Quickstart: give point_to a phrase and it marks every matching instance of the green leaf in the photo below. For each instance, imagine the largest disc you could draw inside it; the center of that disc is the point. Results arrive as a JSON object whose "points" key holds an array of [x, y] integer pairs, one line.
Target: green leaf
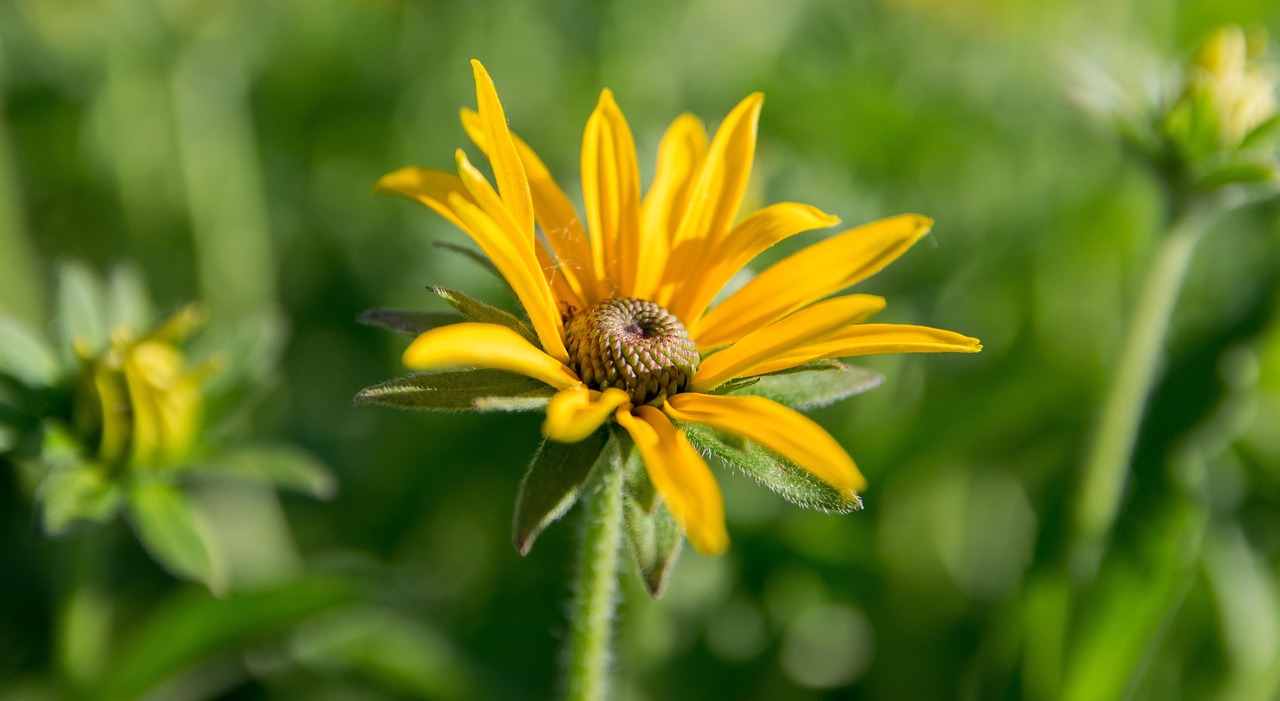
{"points": [[129, 305], [169, 527], [552, 484], [283, 466], [74, 491], [475, 310], [818, 386], [654, 538], [192, 627], [792, 482], [1261, 133], [1239, 173], [25, 355], [461, 390], [81, 317], [408, 323]]}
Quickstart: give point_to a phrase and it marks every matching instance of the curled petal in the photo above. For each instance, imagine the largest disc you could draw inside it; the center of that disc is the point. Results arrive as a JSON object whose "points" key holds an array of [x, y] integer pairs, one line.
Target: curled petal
{"points": [[818, 271], [784, 431], [680, 476], [472, 345], [576, 412], [763, 346], [428, 186]]}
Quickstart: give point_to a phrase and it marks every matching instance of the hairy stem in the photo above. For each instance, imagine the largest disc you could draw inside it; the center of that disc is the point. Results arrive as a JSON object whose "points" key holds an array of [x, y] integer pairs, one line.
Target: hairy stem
{"points": [[595, 595]]}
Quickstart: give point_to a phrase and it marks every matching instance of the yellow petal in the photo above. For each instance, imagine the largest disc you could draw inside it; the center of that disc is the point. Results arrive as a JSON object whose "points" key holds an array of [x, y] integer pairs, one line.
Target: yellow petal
{"points": [[818, 271], [784, 431], [762, 346], [745, 241], [516, 266], [430, 187], [714, 203], [611, 192], [680, 477], [474, 345], [575, 413], [680, 156], [554, 211], [875, 339], [507, 169]]}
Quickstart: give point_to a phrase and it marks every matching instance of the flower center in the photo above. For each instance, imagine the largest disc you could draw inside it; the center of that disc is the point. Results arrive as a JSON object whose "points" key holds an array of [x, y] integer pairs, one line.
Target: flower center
{"points": [[634, 345]]}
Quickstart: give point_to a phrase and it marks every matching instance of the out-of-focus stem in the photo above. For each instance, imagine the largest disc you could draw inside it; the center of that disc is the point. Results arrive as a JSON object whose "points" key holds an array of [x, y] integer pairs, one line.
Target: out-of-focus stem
{"points": [[595, 595], [1107, 464]]}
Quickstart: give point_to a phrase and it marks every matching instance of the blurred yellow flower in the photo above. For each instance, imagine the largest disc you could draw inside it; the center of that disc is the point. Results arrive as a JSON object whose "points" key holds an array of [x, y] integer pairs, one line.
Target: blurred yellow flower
{"points": [[622, 307], [1240, 89]]}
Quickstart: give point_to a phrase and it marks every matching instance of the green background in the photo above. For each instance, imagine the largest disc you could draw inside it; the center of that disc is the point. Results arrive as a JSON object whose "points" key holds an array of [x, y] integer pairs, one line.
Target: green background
{"points": [[229, 149]]}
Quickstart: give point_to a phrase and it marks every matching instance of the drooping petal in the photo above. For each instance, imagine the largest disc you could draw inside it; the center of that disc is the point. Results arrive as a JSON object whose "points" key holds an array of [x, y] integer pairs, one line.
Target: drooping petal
{"points": [[554, 212], [745, 241], [722, 180], [473, 345], [818, 271], [507, 169], [575, 413], [611, 192], [764, 345], [874, 339], [784, 431], [680, 156], [680, 476], [425, 185]]}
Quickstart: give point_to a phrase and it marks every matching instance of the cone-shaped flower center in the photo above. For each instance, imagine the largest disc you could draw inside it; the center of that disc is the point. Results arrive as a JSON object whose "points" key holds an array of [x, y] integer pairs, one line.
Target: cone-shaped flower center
{"points": [[634, 345]]}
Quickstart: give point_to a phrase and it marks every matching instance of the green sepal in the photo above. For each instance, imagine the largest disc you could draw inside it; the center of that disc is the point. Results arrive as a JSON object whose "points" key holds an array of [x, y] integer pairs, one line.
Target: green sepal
{"points": [[74, 491], [282, 466], [653, 535], [128, 304], [459, 390], [167, 525], [813, 385], [787, 479], [475, 310], [1261, 133], [555, 478], [81, 318], [1243, 173], [26, 356], [408, 323]]}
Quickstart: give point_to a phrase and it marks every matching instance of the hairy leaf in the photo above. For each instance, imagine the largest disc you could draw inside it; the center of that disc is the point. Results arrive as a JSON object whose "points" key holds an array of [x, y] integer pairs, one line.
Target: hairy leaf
{"points": [[819, 386], [459, 390], [475, 310], [552, 484], [408, 323], [654, 539], [792, 482]]}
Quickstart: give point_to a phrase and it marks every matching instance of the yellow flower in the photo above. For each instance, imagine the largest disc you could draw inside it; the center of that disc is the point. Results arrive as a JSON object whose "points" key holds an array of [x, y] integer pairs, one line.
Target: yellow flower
{"points": [[1240, 90], [622, 307]]}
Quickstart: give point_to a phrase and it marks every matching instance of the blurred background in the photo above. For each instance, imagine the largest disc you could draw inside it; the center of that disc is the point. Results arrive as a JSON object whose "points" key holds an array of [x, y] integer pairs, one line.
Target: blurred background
{"points": [[228, 149]]}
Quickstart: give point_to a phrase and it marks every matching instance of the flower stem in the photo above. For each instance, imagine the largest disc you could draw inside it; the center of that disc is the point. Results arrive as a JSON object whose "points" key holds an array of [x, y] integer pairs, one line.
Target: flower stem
{"points": [[1109, 456], [595, 595]]}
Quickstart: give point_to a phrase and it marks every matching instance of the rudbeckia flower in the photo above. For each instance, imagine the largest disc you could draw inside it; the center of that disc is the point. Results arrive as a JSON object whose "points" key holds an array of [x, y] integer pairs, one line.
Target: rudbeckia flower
{"points": [[622, 321]]}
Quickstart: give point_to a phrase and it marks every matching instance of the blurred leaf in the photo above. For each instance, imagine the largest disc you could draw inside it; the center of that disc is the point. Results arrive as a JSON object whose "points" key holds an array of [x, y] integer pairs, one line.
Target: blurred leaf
{"points": [[25, 355], [815, 387], [552, 484], [475, 310], [408, 323], [789, 480], [192, 627], [81, 317], [1261, 133], [461, 390], [1239, 173], [245, 356], [283, 466], [654, 538], [128, 303], [168, 526], [393, 650], [74, 490]]}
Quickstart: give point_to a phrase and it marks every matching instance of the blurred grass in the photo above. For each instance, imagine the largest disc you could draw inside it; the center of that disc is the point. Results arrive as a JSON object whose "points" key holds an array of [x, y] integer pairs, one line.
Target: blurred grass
{"points": [[229, 150]]}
